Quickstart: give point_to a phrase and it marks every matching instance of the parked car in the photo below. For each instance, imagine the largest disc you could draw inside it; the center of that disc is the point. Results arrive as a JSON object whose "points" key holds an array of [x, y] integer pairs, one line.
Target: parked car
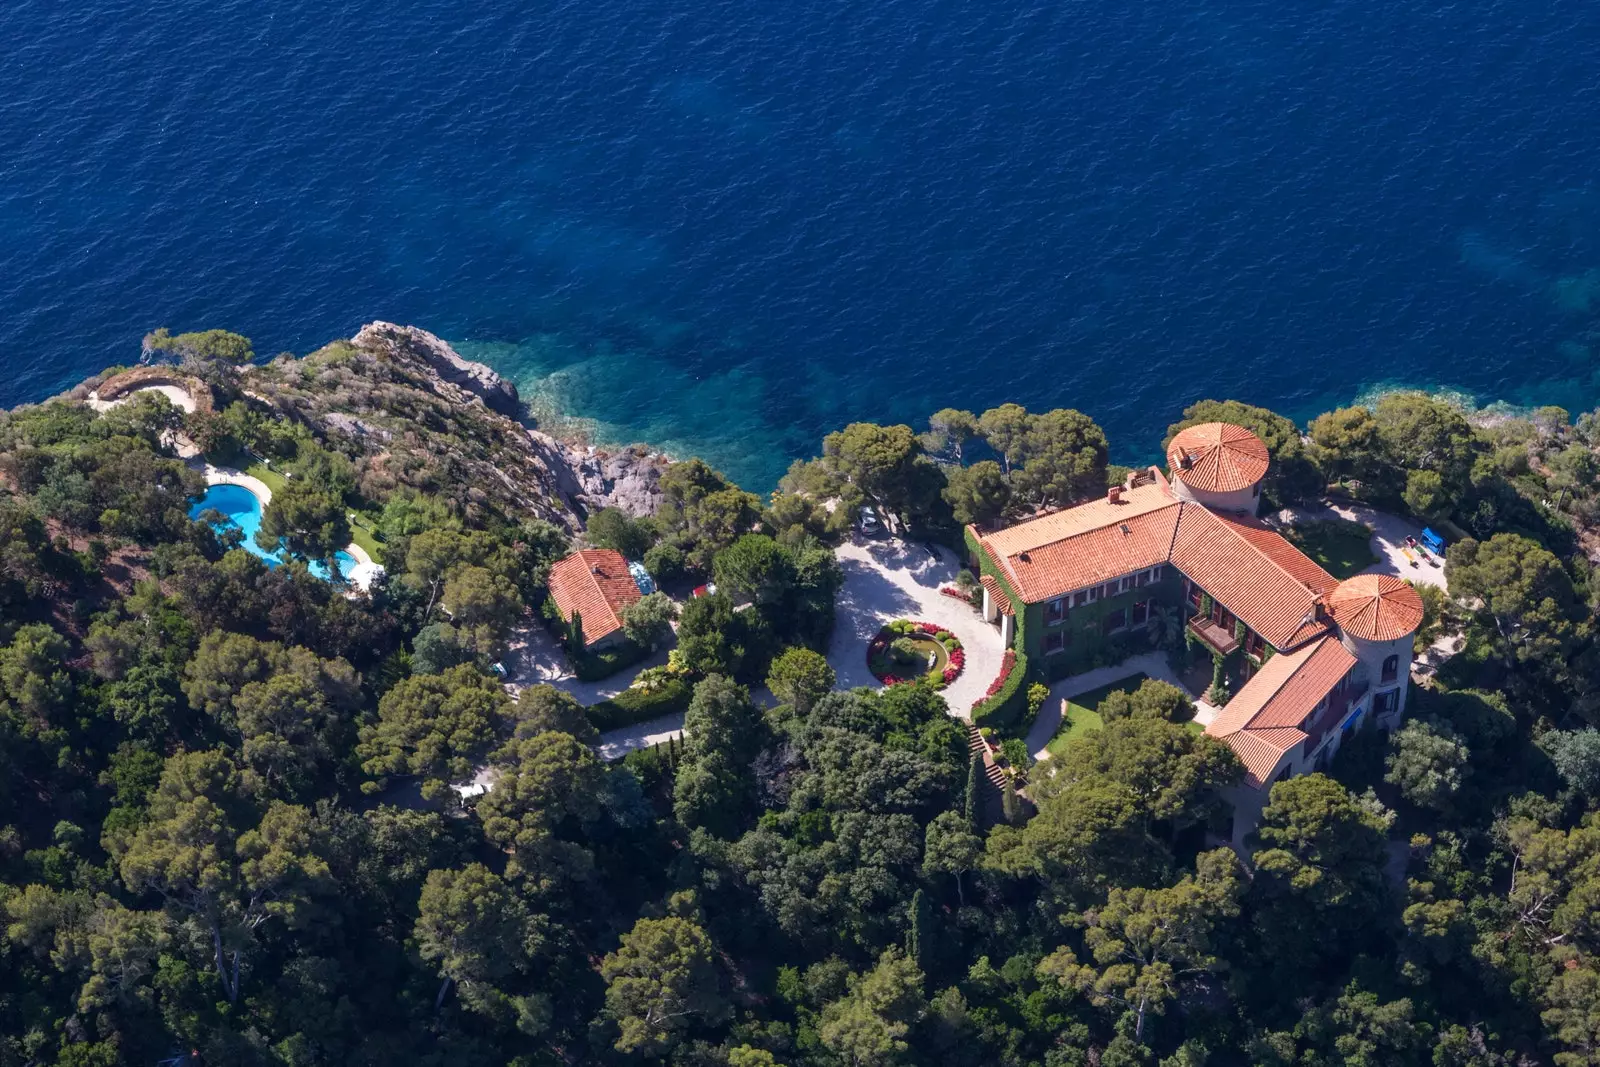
{"points": [[869, 522]]}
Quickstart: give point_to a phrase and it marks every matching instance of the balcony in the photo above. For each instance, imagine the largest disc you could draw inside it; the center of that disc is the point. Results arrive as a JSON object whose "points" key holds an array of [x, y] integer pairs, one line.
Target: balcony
{"points": [[1218, 639]]}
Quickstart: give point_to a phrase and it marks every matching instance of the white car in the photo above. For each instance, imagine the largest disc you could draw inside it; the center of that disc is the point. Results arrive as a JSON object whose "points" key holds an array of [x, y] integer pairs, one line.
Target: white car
{"points": [[869, 522]]}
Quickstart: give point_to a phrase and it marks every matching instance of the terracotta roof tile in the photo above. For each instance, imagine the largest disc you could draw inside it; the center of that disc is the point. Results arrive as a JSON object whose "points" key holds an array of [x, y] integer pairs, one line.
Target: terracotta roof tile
{"points": [[594, 582], [997, 594], [1260, 751], [1218, 457], [1253, 572], [1375, 607], [1086, 545], [1287, 688], [1270, 709], [1281, 551]]}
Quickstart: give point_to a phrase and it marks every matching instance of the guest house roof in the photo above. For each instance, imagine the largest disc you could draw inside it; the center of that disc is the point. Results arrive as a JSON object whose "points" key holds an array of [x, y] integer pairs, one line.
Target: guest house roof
{"points": [[595, 583]]}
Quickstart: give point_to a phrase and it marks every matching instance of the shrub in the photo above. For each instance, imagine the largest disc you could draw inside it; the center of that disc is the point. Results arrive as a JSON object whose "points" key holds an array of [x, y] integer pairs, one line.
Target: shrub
{"points": [[641, 704], [594, 664], [1006, 702], [1016, 753]]}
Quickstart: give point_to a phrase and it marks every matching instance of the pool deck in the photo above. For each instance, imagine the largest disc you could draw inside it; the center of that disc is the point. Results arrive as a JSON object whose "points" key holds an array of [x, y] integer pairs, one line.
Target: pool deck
{"points": [[360, 576], [229, 476]]}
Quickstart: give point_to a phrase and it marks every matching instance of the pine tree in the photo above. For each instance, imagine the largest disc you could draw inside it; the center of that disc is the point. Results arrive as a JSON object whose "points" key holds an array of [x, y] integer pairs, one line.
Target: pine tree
{"points": [[575, 634], [974, 783]]}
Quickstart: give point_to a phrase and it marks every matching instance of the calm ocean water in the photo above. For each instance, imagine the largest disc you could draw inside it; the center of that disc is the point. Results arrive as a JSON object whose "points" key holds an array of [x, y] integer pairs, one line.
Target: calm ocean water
{"points": [[727, 227]]}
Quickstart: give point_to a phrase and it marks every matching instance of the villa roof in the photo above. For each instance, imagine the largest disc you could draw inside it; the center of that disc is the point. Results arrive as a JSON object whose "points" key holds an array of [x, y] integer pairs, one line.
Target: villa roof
{"points": [[1269, 712], [1087, 544], [998, 595], [1251, 569], [1260, 751], [1375, 607], [1218, 457], [1256, 574], [595, 583]]}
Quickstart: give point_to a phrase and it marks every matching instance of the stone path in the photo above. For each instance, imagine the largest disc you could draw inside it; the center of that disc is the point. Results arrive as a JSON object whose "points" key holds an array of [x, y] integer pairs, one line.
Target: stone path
{"points": [[614, 744], [1050, 717], [889, 579], [1388, 542], [176, 393]]}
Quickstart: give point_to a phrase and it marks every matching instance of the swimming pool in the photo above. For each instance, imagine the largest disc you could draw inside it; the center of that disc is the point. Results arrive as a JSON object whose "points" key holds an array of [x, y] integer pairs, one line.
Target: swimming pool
{"points": [[241, 509]]}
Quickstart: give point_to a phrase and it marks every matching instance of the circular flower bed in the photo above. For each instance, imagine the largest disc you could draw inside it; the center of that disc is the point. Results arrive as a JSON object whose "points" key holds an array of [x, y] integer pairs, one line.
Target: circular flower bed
{"points": [[906, 651]]}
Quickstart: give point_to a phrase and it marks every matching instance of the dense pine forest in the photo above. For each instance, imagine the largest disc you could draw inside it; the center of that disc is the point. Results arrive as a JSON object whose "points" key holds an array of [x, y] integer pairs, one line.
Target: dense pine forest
{"points": [[228, 833]]}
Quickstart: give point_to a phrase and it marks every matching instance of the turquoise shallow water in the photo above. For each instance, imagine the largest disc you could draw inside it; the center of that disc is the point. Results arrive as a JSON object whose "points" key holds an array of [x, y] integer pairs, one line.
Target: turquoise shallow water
{"points": [[242, 509], [728, 227]]}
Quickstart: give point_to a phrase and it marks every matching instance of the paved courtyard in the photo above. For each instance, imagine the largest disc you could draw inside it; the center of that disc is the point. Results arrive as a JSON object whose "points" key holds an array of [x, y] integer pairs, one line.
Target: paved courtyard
{"points": [[1388, 541], [890, 579]]}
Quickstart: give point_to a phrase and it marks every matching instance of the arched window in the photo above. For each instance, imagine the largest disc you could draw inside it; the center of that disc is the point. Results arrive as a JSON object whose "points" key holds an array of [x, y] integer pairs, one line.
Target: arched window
{"points": [[1391, 668]]}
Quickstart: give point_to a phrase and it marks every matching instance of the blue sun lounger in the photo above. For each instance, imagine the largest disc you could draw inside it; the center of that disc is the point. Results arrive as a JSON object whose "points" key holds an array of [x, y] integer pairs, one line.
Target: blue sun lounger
{"points": [[1432, 541]]}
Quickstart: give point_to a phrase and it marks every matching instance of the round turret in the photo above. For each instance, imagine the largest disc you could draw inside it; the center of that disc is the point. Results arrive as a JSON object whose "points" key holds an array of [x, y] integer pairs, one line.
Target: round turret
{"points": [[1219, 465], [1378, 616]]}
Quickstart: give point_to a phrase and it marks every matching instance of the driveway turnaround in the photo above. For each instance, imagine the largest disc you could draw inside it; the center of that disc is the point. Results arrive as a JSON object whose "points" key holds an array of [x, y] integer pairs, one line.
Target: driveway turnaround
{"points": [[889, 579]]}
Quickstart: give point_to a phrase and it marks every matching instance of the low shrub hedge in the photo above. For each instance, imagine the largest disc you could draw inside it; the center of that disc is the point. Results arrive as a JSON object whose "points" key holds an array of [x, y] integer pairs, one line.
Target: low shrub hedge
{"points": [[1007, 703], [592, 666], [641, 705]]}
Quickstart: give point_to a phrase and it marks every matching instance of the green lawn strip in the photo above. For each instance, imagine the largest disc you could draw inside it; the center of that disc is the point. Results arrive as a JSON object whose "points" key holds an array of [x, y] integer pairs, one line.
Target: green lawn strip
{"points": [[272, 478], [1082, 712], [1340, 547], [362, 534]]}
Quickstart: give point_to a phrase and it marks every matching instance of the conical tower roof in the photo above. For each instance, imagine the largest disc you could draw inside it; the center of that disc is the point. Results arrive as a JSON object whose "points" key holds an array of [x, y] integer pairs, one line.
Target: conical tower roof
{"points": [[1217, 457]]}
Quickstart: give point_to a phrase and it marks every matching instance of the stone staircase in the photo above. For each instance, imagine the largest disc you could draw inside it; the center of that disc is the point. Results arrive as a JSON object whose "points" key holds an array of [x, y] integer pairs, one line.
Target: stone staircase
{"points": [[990, 806]]}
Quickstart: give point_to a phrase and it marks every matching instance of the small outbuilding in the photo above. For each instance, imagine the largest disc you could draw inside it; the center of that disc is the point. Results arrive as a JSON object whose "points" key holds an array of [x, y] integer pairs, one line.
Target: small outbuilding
{"points": [[596, 584]]}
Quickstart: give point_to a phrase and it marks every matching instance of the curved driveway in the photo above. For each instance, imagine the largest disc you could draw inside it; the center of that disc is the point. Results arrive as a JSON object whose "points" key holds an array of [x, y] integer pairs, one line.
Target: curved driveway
{"points": [[890, 579]]}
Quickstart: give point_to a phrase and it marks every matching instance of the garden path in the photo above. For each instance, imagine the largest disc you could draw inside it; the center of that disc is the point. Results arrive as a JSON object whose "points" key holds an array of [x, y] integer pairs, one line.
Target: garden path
{"points": [[1045, 726], [887, 579]]}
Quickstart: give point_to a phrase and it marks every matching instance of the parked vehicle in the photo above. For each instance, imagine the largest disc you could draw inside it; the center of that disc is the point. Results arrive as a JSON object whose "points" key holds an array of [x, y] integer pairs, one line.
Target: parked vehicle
{"points": [[869, 522]]}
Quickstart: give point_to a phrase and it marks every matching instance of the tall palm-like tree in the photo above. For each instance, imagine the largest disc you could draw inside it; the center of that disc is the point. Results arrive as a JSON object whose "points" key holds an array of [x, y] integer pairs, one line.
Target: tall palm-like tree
{"points": [[1165, 626]]}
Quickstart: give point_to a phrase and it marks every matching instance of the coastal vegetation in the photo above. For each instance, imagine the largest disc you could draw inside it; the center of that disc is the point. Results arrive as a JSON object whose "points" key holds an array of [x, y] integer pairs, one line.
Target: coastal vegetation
{"points": [[241, 811]]}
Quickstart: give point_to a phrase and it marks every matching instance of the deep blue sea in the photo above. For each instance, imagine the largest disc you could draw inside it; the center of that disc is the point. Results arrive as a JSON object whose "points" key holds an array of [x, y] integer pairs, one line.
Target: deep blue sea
{"points": [[728, 227]]}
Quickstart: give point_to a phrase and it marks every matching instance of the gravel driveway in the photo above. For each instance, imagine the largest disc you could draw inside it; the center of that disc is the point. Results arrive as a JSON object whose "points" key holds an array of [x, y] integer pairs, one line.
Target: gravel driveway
{"points": [[890, 579]]}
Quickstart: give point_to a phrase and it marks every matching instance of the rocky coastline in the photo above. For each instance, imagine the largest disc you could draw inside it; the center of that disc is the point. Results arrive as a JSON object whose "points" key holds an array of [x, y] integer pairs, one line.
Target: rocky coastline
{"points": [[589, 477]]}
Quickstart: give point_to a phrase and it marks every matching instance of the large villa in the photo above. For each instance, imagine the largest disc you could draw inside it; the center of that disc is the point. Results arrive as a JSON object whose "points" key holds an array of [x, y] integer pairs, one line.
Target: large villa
{"points": [[1317, 654]]}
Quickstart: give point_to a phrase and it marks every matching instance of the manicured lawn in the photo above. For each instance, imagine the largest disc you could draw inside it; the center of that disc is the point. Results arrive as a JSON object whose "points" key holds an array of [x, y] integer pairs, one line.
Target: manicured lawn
{"points": [[272, 478], [1082, 712], [361, 532], [1341, 548]]}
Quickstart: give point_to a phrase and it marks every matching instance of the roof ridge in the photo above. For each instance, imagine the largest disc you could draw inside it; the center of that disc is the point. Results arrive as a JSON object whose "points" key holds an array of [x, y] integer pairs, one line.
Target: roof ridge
{"points": [[1229, 523]]}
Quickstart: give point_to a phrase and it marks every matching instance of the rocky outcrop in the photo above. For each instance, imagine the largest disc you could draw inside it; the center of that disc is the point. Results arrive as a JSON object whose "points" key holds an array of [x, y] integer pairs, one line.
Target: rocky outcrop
{"points": [[476, 378], [587, 478], [626, 478]]}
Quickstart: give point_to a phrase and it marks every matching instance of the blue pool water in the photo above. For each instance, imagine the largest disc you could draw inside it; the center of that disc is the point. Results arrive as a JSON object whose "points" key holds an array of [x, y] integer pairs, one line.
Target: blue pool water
{"points": [[241, 509], [728, 226]]}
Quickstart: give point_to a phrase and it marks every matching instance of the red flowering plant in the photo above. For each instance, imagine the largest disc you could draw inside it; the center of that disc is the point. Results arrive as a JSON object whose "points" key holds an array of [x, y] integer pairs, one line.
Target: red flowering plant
{"points": [[890, 652]]}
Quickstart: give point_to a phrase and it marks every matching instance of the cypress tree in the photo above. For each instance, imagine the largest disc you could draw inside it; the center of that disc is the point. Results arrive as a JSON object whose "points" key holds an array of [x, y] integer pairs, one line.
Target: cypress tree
{"points": [[1010, 803], [917, 943], [974, 783]]}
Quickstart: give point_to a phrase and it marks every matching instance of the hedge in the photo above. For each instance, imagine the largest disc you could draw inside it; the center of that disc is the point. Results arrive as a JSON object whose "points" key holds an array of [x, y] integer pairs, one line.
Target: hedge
{"points": [[1009, 704], [641, 705], [594, 665]]}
